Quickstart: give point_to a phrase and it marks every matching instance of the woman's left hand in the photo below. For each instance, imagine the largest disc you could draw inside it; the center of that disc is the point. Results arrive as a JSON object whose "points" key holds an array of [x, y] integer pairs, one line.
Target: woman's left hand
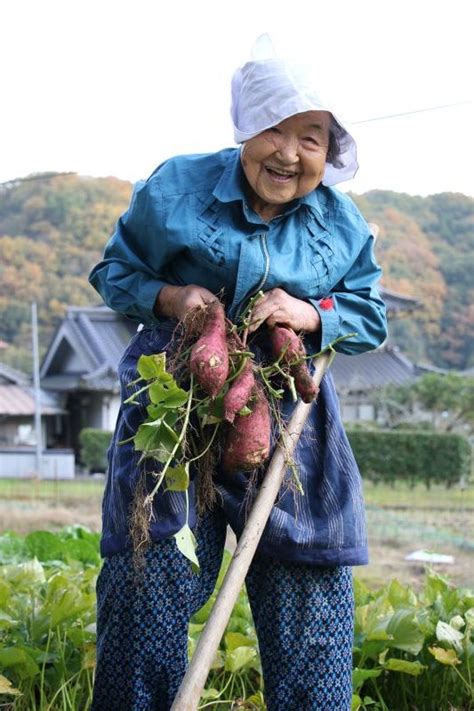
{"points": [[278, 307]]}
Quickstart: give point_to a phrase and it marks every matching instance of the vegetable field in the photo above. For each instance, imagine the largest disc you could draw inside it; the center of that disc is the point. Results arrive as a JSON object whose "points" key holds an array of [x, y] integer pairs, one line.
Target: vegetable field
{"points": [[411, 650], [413, 642]]}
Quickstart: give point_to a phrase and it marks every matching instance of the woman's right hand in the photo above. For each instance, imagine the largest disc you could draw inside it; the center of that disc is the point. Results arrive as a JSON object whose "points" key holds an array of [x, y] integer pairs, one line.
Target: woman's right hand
{"points": [[176, 301]]}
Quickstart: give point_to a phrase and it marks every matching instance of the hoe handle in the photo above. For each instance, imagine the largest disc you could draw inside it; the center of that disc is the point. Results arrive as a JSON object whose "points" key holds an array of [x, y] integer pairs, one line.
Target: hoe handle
{"points": [[190, 691]]}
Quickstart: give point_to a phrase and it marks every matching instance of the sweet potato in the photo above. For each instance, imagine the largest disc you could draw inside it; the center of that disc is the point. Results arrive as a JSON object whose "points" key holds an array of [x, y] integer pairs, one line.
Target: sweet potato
{"points": [[247, 444], [284, 339], [209, 356], [304, 385], [239, 392]]}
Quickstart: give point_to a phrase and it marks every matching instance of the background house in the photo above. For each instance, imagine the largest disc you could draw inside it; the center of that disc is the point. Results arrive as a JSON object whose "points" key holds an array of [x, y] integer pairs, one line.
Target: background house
{"points": [[357, 378], [81, 366], [17, 430], [17, 410]]}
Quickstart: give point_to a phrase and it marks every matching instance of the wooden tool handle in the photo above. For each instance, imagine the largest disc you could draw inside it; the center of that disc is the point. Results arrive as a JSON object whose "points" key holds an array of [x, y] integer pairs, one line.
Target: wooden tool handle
{"points": [[190, 691]]}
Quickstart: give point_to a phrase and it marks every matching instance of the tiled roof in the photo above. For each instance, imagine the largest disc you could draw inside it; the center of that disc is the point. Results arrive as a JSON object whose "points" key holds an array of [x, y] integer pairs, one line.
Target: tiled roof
{"points": [[10, 375], [397, 303], [374, 369], [17, 400], [61, 383], [104, 332], [97, 336]]}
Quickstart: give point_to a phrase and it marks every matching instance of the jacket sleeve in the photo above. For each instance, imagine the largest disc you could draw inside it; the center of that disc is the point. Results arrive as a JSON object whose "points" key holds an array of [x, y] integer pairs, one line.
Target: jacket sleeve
{"points": [[129, 277], [355, 306]]}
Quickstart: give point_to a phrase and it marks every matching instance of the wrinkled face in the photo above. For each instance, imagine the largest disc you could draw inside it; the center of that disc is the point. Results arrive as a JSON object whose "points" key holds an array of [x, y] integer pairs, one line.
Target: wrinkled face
{"points": [[287, 161]]}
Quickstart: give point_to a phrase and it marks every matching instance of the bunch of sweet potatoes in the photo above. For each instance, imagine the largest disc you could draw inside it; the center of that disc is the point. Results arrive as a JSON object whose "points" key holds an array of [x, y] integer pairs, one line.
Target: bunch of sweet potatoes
{"points": [[246, 409]]}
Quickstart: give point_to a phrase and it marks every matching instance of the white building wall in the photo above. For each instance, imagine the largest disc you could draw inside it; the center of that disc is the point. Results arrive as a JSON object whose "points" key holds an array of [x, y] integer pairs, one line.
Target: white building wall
{"points": [[18, 463], [102, 410], [19, 431], [112, 408]]}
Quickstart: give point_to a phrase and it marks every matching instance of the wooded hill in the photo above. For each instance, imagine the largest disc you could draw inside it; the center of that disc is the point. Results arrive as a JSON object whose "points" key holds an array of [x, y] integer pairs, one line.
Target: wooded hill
{"points": [[53, 229], [426, 249]]}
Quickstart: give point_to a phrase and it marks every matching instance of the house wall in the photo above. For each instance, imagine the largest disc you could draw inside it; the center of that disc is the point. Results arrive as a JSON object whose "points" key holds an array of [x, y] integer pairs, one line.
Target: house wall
{"points": [[71, 363], [20, 431], [110, 410], [20, 462], [94, 409], [357, 408], [100, 410]]}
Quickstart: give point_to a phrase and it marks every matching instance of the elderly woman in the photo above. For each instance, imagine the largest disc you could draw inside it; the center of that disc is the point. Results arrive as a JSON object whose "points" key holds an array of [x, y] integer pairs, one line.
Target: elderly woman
{"points": [[260, 217]]}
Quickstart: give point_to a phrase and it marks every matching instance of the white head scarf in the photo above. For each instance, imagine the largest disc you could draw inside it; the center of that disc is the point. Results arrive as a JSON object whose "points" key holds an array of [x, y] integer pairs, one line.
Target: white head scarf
{"points": [[266, 91]]}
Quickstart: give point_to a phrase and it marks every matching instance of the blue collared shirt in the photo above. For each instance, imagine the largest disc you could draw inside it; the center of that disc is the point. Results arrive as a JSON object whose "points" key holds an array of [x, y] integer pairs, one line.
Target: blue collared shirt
{"points": [[190, 223]]}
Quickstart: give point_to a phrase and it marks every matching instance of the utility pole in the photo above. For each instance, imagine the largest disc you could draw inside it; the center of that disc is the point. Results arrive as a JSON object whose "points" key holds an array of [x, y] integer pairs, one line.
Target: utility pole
{"points": [[36, 383]]}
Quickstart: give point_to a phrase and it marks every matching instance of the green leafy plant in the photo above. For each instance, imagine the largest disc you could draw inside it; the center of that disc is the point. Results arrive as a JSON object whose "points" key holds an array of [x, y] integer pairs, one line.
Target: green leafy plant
{"points": [[411, 650], [236, 675], [47, 619], [94, 444], [163, 436]]}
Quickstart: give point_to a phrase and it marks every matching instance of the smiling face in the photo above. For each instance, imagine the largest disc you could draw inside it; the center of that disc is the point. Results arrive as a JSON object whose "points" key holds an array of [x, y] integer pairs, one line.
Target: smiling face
{"points": [[286, 161]]}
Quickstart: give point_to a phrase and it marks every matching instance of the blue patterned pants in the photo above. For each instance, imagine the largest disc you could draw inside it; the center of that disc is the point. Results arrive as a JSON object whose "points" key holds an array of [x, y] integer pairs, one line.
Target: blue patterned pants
{"points": [[303, 616]]}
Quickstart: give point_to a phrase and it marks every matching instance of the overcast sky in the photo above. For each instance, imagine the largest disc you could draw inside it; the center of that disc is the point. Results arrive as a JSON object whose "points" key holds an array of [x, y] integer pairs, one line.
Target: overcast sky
{"points": [[113, 88]]}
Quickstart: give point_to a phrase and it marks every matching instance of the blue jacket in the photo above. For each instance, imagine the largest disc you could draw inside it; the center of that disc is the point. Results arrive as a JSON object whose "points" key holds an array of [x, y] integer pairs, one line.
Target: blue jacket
{"points": [[190, 224]]}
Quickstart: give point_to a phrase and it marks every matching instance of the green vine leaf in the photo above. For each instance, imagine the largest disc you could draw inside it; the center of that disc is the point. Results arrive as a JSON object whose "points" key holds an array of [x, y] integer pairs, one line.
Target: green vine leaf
{"points": [[163, 423], [158, 412], [146, 438], [155, 440], [245, 411], [211, 412], [177, 478], [153, 366], [186, 542], [168, 395]]}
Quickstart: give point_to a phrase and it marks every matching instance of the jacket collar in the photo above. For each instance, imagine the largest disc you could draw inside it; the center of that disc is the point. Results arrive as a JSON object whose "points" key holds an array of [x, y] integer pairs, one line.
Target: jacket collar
{"points": [[317, 204], [230, 188]]}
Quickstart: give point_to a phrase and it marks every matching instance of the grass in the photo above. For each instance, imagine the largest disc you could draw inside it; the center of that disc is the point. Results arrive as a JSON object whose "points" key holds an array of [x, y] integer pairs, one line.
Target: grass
{"points": [[383, 495], [27, 489], [29, 505], [418, 497]]}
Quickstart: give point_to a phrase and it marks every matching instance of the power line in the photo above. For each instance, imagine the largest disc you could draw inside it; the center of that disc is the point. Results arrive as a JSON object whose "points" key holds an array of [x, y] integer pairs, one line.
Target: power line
{"points": [[52, 174], [415, 111]]}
